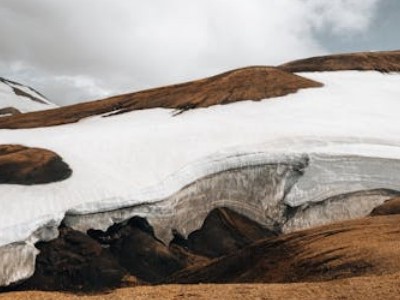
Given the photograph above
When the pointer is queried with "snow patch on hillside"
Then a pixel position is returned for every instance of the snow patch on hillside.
(21, 97)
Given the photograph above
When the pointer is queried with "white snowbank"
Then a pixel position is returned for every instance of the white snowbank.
(147, 155)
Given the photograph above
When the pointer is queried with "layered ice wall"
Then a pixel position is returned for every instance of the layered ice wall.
(304, 159)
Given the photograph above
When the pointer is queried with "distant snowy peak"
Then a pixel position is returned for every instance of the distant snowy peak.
(16, 98)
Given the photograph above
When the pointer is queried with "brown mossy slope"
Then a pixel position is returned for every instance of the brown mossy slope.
(253, 83)
(27, 166)
(387, 61)
(369, 246)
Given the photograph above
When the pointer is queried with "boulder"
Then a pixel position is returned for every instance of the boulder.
(28, 166)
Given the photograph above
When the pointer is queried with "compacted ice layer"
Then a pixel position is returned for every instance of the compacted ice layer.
(17, 260)
(144, 159)
(349, 187)
(256, 192)
(341, 207)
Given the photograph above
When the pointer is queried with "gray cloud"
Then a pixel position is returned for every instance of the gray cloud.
(78, 50)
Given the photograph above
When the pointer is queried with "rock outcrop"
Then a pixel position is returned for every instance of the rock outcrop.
(98, 260)
(74, 262)
(137, 249)
(224, 231)
(27, 166)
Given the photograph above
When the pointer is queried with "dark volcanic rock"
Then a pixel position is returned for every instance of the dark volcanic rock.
(390, 207)
(137, 250)
(27, 166)
(74, 262)
(223, 232)
(147, 258)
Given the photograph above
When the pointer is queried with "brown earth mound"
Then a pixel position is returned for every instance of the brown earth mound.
(388, 61)
(253, 83)
(369, 246)
(390, 207)
(23, 165)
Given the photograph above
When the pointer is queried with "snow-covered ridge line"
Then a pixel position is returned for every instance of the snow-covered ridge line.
(21, 98)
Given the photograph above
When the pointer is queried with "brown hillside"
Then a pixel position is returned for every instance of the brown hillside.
(253, 83)
(369, 246)
(388, 61)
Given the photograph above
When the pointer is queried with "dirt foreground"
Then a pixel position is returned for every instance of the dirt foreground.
(372, 287)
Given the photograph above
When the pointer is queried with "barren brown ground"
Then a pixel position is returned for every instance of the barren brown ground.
(368, 246)
(372, 288)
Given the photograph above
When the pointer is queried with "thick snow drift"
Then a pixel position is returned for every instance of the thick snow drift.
(146, 156)
(320, 143)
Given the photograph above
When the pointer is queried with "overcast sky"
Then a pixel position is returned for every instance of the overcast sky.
(79, 50)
